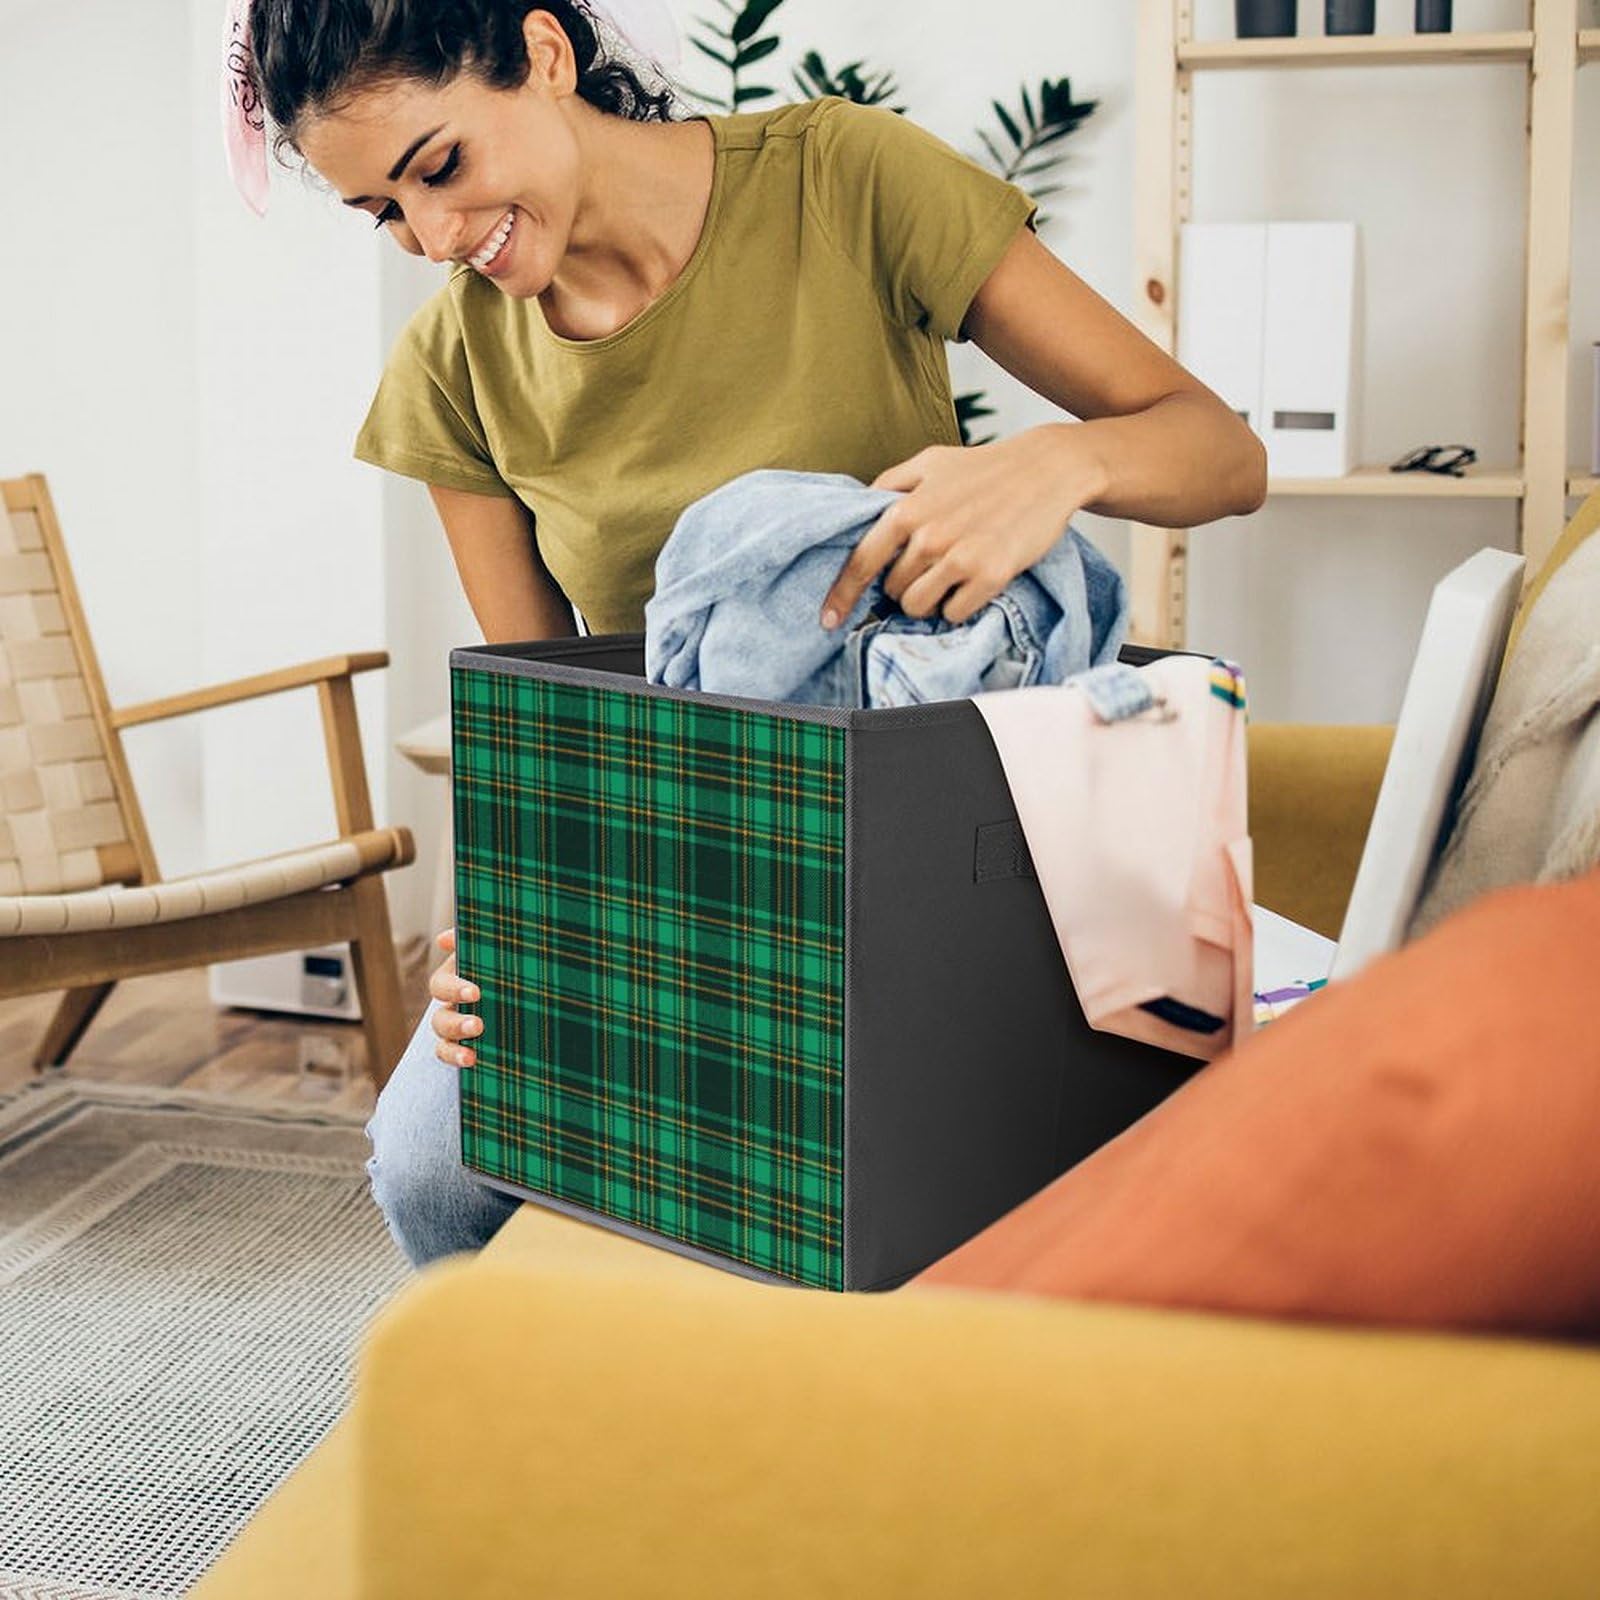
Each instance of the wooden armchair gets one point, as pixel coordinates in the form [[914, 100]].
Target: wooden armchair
[[82, 901]]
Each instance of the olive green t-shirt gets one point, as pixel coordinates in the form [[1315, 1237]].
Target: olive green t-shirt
[[841, 247]]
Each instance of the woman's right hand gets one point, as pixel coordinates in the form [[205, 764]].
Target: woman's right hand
[[450, 990]]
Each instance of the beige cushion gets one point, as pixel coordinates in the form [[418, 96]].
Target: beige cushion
[[1530, 812]]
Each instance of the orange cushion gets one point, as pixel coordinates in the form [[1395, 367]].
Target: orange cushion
[[1420, 1145]]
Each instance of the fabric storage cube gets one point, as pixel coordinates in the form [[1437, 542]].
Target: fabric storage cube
[[772, 985]]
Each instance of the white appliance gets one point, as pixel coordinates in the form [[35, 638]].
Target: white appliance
[[313, 983], [1267, 318], [1222, 296]]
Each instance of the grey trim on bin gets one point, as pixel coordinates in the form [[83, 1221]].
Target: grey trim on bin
[[611, 1224]]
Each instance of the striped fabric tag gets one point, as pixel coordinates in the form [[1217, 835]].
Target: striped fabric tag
[[650, 897], [1227, 683]]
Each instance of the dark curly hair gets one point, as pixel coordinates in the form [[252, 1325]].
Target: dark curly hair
[[312, 56]]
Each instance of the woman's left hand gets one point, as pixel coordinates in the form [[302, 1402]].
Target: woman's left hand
[[971, 518]]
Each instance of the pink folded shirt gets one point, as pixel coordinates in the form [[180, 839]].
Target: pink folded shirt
[[1137, 823]]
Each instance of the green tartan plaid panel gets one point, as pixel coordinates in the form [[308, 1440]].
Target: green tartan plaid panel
[[650, 897]]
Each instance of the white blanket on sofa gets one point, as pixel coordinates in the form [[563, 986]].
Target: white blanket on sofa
[[1530, 812]]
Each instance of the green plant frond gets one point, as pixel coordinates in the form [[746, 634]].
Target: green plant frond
[[969, 407], [1050, 135], [989, 145], [813, 78], [1027, 110], [810, 76], [750, 20], [759, 50], [746, 92], [1008, 123], [1057, 105], [867, 91], [715, 55]]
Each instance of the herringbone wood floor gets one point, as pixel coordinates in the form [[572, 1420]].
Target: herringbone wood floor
[[166, 1031]]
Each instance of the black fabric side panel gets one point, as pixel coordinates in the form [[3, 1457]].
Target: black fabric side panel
[[974, 1079]]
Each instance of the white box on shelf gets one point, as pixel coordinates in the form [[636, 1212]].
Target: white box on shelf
[[1222, 293], [1308, 382]]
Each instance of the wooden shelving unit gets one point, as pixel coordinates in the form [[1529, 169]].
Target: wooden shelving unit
[[1369, 50], [1495, 483], [1549, 51]]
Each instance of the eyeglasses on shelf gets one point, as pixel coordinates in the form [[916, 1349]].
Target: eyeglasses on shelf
[[1453, 459]]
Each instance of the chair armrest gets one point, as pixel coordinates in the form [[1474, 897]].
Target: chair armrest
[[352, 803], [226, 694], [601, 1432], [1312, 793]]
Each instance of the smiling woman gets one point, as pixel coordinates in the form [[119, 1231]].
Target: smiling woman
[[314, 77], [640, 308]]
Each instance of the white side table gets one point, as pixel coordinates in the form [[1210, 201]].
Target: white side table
[[427, 746]]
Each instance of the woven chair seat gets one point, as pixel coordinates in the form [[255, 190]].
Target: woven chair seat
[[207, 893]]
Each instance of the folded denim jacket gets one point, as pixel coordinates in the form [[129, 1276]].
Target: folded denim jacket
[[740, 582]]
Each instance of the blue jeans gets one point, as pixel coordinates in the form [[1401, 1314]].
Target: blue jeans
[[432, 1204], [891, 659]]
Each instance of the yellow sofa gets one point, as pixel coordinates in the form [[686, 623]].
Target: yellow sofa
[[572, 1414]]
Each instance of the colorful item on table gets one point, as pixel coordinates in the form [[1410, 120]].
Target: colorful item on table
[[1274, 1003]]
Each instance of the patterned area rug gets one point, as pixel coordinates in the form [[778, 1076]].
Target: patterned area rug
[[184, 1282]]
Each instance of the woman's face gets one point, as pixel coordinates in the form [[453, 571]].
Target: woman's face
[[446, 170]]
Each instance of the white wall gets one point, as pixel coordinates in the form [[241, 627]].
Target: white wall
[[288, 341], [218, 531], [427, 616], [190, 379], [97, 345]]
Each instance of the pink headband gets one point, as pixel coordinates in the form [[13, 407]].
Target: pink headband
[[646, 26], [244, 120]]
